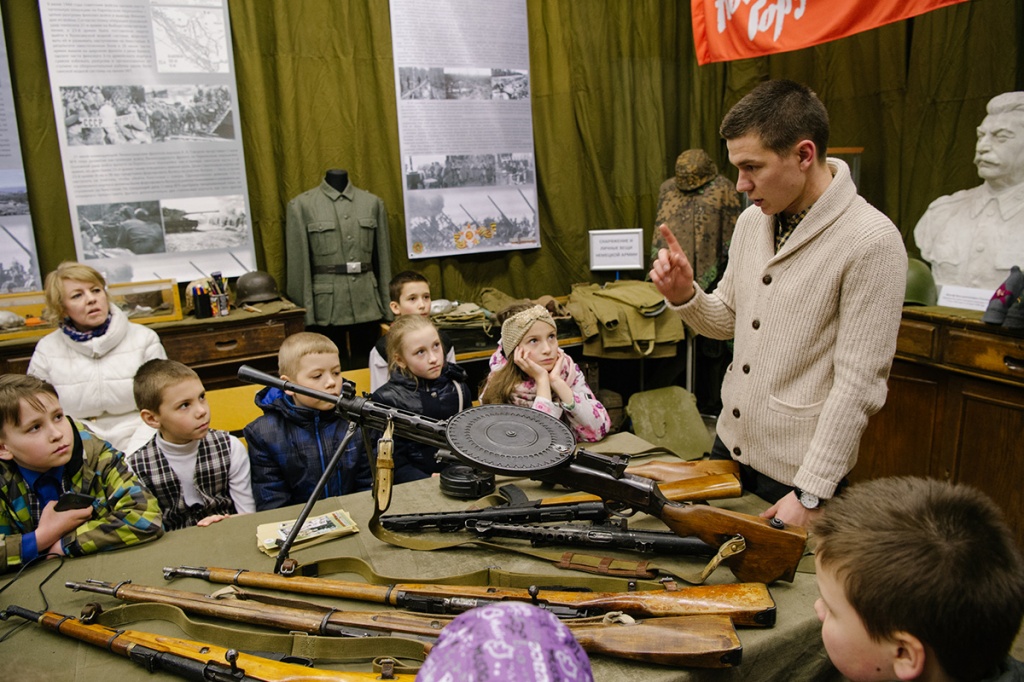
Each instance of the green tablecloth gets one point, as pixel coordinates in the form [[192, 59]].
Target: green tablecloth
[[792, 650]]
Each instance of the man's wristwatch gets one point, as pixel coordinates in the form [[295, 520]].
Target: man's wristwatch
[[808, 500]]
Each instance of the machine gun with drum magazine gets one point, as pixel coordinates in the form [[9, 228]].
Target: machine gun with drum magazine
[[518, 441]]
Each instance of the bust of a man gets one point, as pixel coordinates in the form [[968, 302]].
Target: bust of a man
[[973, 237]]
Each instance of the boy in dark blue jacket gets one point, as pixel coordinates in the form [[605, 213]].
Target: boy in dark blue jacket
[[291, 444]]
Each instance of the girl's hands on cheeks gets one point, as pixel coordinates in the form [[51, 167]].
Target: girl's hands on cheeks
[[524, 362]]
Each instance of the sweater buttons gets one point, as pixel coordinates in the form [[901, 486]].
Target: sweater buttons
[[767, 279], [756, 324], [737, 452], [746, 369], [736, 412]]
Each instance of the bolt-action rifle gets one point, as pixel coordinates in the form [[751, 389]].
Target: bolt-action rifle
[[697, 641], [746, 603], [188, 659], [511, 440]]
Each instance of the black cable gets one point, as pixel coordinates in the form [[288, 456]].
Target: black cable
[[46, 602]]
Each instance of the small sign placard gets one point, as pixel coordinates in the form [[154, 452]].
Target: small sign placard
[[617, 249], [964, 297]]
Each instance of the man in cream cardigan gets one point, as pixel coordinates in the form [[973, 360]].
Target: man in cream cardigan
[[812, 295]]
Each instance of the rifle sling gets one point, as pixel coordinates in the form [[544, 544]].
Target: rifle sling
[[407, 653]]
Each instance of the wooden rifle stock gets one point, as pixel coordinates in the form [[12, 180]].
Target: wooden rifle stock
[[746, 603], [779, 548], [696, 641], [707, 487], [664, 471], [186, 658]]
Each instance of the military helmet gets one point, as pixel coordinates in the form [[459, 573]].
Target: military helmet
[[920, 284], [255, 287], [694, 169]]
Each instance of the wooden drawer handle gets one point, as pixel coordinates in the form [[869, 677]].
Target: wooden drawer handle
[[227, 345], [1014, 364]]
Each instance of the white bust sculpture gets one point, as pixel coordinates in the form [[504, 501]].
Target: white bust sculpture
[[973, 237]]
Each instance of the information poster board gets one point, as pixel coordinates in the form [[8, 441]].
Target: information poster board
[[462, 75], [19, 263], [147, 112]]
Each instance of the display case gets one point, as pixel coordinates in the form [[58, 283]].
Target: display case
[[21, 315]]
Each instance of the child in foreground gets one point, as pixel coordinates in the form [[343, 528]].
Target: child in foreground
[[540, 374], [45, 455], [919, 580], [291, 444], [422, 381], [410, 295], [198, 474]]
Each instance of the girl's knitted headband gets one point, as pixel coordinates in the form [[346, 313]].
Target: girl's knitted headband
[[514, 328]]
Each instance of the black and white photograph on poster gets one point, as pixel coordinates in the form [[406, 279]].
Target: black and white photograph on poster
[[462, 221], [13, 192], [19, 264], [121, 229], [190, 39], [105, 114], [515, 169], [131, 114], [190, 112], [205, 223], [510, 84], [415, 82], [451, 170]]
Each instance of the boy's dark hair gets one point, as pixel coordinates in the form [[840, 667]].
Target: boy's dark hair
[[17, 387], [780, 113], [400, 280], [932, 559], [154, 377]]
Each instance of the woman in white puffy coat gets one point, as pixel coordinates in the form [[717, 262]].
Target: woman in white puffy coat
[[92, 357]]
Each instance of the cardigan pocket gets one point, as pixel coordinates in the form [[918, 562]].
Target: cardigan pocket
[[797, 411], [324, 239]]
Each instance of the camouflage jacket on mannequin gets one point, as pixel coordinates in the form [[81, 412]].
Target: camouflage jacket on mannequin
[[700, 207]]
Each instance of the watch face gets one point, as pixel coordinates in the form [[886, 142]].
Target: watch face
[[809, 500]]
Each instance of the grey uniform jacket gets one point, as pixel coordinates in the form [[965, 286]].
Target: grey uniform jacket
[[326, 228]]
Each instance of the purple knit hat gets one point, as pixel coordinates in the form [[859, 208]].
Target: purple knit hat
[[509, 641]]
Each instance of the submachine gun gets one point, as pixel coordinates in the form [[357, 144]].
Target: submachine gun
[[518, 441]]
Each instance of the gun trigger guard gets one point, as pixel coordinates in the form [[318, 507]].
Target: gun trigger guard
[[620, 512]]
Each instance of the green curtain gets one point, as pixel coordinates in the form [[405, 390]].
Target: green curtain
[[617, 95]]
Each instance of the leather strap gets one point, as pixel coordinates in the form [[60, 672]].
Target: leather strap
[[384, 473]]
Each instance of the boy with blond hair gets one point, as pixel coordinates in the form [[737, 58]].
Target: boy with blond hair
[[198, 474], [919, 580], [292, 443], [45, 457], [410, 295]]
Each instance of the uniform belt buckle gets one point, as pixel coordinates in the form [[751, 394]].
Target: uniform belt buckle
[[354, 268]]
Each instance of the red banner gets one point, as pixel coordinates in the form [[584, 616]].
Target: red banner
[[724, 30]]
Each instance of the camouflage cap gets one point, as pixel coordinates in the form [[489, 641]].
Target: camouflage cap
[[694, 169]]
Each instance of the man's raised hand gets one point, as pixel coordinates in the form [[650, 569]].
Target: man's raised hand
[[671, 272]]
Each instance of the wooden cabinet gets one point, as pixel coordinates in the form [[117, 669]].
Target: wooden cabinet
[[214, 347], [955, 409]]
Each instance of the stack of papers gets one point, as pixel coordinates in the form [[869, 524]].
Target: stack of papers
[[316, 529]]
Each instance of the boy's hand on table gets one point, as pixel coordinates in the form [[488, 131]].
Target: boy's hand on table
[[213, 518], [54, 525]]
